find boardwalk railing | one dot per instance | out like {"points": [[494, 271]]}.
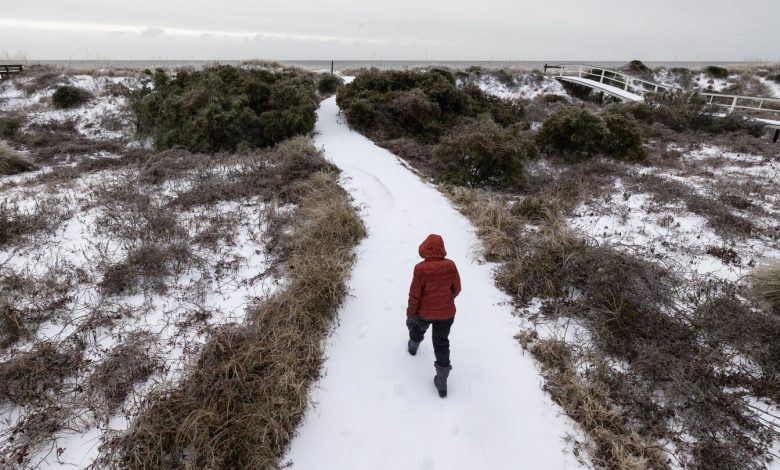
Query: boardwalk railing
{"points": [[765, 110], [744, 103], [610, 77], [7, 70]]}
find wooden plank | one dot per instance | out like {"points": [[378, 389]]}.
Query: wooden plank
{"points": [[7, 69]]}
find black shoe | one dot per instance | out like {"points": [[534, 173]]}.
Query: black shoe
{"points": [[412, 347], [442, 391], [440, 379]]}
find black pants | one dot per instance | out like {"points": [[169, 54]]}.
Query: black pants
{"points": [[441, 336]]}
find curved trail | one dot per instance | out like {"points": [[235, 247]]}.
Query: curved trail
{"points": [[376, 407]]}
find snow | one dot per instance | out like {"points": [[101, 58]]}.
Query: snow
{"points": [[609, 89], [773, 86], [529, 87], [90, 119], [666, 77], [708, 83], [671, 235], [225, 281], [376, 406]]}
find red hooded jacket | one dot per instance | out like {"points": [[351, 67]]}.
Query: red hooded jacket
{"points": [[435, 284]]}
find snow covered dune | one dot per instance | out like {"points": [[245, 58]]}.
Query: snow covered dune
{"points": [[376, 406]]}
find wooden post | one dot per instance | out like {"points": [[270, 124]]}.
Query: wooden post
{"points": [[777, 135], [331, 67]]}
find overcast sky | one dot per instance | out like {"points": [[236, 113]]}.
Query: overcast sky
{"points": [[726, 30]]}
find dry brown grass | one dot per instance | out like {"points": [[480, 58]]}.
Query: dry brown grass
{"points": [[614, 444], [766, 286], [666, 367], [37, 375], [16, 224], [56, 141], [12, 161], [240, 405], [277, 174], [719, 217], [126, 365], [27, 301]]}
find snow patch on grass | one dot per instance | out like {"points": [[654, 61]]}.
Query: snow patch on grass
{"points": [[525, 86], [218, 288]]}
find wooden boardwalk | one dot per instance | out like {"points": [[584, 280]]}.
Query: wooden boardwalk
{"points": [[8, 70], [629, 88]]}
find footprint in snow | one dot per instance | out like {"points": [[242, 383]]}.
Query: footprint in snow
{"points": [[344, 428], [399, 390], [426, 463], [454, 429]]}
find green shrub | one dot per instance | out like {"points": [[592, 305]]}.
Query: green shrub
{"points": [[684, 76], [329, 84], [553, 98], [775, 77], [225, 107], [68, 96], [685, 112], [388, 103], [716, 72], [414, 111], [574, 132], [638, 66], [484, 153], [505, 77], [10, 126], [577, 133], [623, 139], [506, 112], [361, 114]]}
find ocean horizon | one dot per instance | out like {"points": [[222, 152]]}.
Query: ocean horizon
{"points": [[318, 65]]}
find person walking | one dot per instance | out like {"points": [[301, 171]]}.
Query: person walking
{"points": [[435, 284]]}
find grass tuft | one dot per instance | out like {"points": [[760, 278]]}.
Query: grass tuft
{"points": [[766, 285], [240, 405], [12, 161]]}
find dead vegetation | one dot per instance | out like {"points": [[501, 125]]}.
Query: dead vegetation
{"points": [[38, 374], [241, 403], [54, 142], [12, 161], [16, 224], [308, 226], [135, 281], [657, 373], [130, 363], [766, 286], [720, 217]]}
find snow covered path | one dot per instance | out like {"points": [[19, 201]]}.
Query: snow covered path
{"points": [[376, 407]]}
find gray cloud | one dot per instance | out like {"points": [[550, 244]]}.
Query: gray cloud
{"points": [[401, 29], [151, 32]]}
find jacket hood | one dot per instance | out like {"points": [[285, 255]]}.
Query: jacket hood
{"points": [[433, 247]]}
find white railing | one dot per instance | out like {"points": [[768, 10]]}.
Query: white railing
{"points": [[748, 103], [610, 77], [752, 104]]}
